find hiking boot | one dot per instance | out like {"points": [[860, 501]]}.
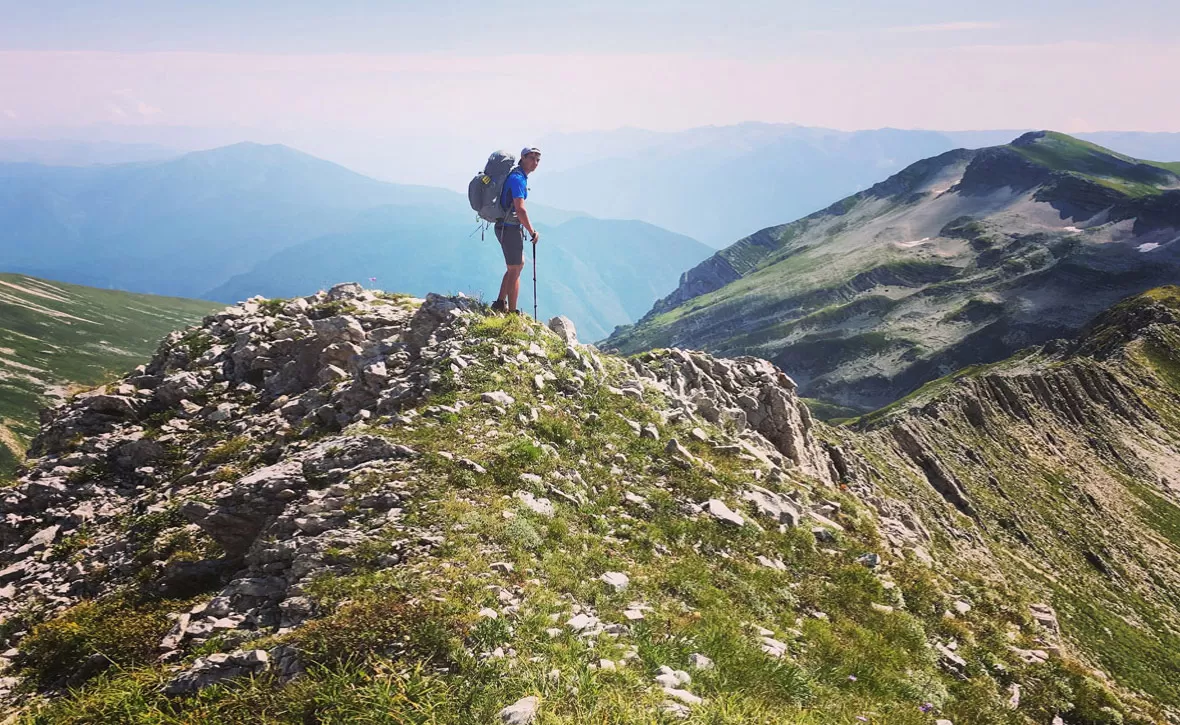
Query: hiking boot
{"points": [[500, 306]]}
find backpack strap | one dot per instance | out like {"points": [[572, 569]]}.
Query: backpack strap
{"points": [[508, 211]]}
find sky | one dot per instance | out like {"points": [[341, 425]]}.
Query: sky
{"points": [[389, 86]]}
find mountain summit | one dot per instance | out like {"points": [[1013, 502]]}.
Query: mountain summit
{"points": [[364, 507], [959, 259]]}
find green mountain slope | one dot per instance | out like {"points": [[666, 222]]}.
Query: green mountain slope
{"points": [[387, 510], [56, 336], [959, 259], [1064, 462]]}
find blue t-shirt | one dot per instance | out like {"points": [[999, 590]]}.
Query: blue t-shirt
{"points": [[515, 187]]}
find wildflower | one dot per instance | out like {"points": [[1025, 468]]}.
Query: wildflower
{"points": [[852, 677]]}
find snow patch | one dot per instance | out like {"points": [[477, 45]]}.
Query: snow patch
{"points": [[1147, 246], [923, 240]]}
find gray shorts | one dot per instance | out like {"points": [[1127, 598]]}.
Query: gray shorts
{"points": [[511, 238]]}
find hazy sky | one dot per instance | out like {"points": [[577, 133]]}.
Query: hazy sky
{"points": [[351, 75]]}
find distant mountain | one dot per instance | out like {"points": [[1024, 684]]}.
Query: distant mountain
{"points": [[61, 152], [179, 226], [959, 259], [719, 184], [56, 336], [601, 273], [247, 219]]}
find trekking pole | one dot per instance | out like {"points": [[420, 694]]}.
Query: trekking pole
{"points": [[534, 278]]}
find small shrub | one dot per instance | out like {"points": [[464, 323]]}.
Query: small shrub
{"points": [[125, 634], [227, 451], [196, 343], [226, 473], [375, 626], [522, 534], [554, 430], [71, 544], [273, 307]]}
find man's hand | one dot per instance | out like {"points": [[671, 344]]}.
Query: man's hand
{"points": [[536, 235]]}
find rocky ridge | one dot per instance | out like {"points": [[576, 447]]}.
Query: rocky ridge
{"points": [[960, 259], [269, 473]]}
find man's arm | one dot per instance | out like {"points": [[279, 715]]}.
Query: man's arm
{"points": [[524, 217]]}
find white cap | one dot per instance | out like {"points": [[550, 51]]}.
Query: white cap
{"points": [[529, 150]]}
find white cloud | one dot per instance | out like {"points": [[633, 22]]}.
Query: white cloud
{"points": [[10, 113], [114, 110], [932, 28], [146, 110], [942, 27]]}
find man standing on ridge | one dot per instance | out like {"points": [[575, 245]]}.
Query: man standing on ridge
{"points": [[511, 228]]}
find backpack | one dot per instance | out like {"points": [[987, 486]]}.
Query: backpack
{"points": [[484, 190]]}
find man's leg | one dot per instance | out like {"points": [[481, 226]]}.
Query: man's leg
{"points": [[512, 241], [512, 283], [505, 285]]}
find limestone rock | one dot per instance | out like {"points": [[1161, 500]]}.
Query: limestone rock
{"points": [[772, 505], [498, 397], [521, 712], [617, 580], [215, 668], [564, 328], [721, 512]]}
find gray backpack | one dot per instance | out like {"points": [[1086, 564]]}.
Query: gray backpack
{"points": [[484, 190]]}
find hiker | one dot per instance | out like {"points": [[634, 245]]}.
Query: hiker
{"points": [[510, 228]]}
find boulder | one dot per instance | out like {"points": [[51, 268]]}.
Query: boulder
{"points": [[177, 387], [341, 328], [773, 505], [215, 668], [521, 712], [564, 328], [718, 510], [345, 291]]}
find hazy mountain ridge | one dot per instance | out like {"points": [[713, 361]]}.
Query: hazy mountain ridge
{"points": [[212, 222], [65, 152], [719, 184], [355, 505], [959, 259]]}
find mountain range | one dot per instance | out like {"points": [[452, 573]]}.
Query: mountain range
{"points": [[719, 184], [960, 259], [207, 224]]}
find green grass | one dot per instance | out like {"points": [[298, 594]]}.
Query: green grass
{"points": [[830, 412], [1127, 175], [71, 336]]}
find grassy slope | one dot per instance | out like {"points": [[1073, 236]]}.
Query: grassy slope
{"points": [[54, 334], [852, 663], [1131, 176], [1061, 501]]}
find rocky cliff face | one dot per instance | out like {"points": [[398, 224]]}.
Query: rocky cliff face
{"points": [[401, 501]]}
